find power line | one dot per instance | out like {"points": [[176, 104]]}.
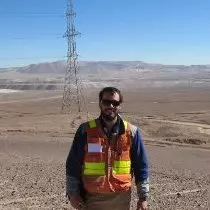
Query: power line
{"points": [[29, 58], [29, 38], [34, 36], [31, 15], [40, 34]]}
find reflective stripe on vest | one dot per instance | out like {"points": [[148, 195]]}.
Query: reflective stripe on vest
{"points": [[94, 168], [122, 167], [98, 168], [125, 124]]}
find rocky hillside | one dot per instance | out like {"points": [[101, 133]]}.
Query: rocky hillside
{"points": [[101, 73], [86, 67]]}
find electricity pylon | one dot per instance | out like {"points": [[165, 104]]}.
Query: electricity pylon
{"points": [[72, 94]]}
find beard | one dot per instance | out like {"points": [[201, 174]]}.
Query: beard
{"points": [[109, 115]]}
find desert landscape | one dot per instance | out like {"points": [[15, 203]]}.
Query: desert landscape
{"points": [[170, 105]]}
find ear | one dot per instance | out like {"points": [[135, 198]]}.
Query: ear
{"points": [[119, 109]]}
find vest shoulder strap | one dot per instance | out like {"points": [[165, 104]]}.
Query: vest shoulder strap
{"points": [[126, 124], [93, 123]]}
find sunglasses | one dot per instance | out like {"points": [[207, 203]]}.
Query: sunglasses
{"points": [[107, 102]]}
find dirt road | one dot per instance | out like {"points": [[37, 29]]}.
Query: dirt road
{"points": [[29, 100], [203, 128]]}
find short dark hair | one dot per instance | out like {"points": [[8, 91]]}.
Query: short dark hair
{"points": [[112, 90]]}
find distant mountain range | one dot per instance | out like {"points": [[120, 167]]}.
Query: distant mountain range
{"points": [[98, 67], [124, 74]]}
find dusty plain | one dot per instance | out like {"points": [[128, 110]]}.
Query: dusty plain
{"points": [[35, 139]]}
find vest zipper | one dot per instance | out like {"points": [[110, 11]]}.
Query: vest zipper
{"points": [[108, 162]]}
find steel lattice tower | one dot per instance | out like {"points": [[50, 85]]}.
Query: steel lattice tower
{"points": [[72, 95]]}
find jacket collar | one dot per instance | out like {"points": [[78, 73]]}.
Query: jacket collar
{"points": [[117, 129]]}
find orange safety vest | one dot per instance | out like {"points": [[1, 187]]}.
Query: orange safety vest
{"points": [[107, 164]]}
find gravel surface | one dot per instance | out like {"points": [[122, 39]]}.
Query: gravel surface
{"points": [[35, 139], [31, 179]]}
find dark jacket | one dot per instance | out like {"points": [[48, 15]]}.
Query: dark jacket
{"points": [[139, 161]]}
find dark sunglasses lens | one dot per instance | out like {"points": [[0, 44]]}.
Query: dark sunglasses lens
{"points": [[115, 103], [109, 102], [106, 102]]}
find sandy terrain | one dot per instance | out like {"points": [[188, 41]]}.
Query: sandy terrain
{"points": [[35, 139]]}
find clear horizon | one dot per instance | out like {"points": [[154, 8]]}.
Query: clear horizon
{"points": [[163, 32], [3, 68]]}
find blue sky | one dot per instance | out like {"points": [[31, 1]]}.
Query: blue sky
{"points": [[157, 31]]}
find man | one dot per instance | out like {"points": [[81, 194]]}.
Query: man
{"points": [[105, 154]]}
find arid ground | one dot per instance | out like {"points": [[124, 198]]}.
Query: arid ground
{"points": [[35, 139]]}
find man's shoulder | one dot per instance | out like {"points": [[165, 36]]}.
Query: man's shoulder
{"points": [[133, 128], [85, 125]]}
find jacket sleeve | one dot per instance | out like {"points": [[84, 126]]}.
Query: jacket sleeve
{"points": [[139, 164], [74, 162]]}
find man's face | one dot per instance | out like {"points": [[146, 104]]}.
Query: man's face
{"points": [[109, 106]]}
